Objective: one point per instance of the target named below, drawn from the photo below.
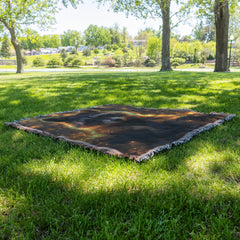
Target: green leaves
(5, 49)
(16, 15)
(21, 13)
(74, 3)
(97, 36)
(71, 38)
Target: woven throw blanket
(123, 130)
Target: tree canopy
(71, 38)
(5, 49)
(97, 36)
(22, 13)
(145, 9)
(234, 25)
(17, 15)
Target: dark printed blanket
(123, 130)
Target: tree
(97, 36)
(63, 54)
(115, 35)
(154, 48)
(51, 41)
(31, 41)
(5, 49)
(234, 25)
(72, 38)
(144, 9)
(165, 9)
(205, 32)
(186, 38)
(15, 15)
(124, 35)
(221, 10)
(144, 35)
(46, 41)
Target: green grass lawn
(52, 190)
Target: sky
(88, 13)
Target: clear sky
(89, 13)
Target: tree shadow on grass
(65, 92)
(112, 198)
(43, 205)
(38, 95)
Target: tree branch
(5, 23)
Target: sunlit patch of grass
(53, 190)
(5, 207)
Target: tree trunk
(17, 48)
(165, 8)
(221, 12)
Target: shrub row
(121, 61)
(76, 61)
(71, 61)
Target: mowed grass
(53, 190)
